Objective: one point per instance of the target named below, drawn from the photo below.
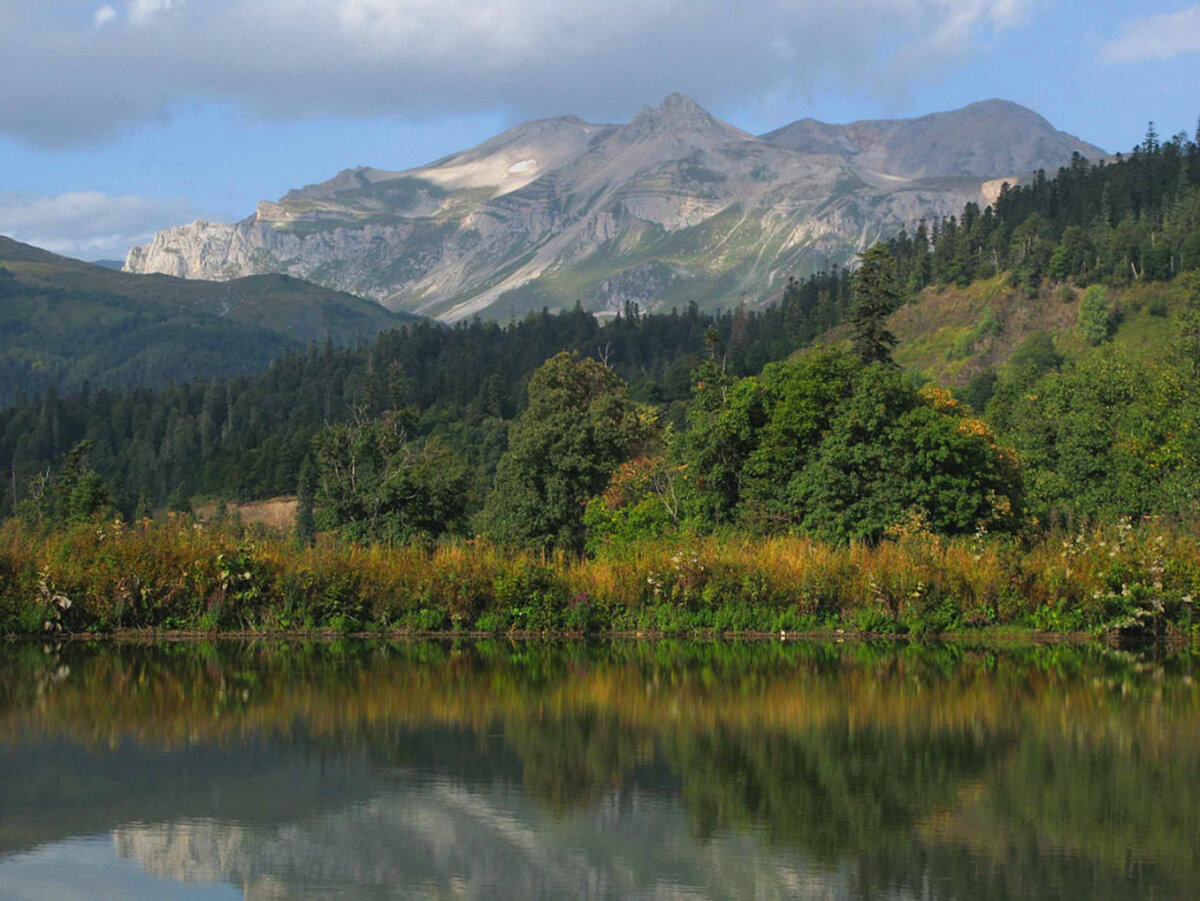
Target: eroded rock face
(676, 206)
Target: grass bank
(177, 574)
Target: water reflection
(655, 770)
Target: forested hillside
(66, 323)
(246, 436)
(1133, 218)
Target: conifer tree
(874, 297)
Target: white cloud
(103, 15)
(88, 224)
(301, 58)
(142, 11)
(1157, 38)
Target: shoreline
(987, 636)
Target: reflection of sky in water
(88, 869)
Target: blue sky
(132, 115)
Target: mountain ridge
(674, 206)
(67, 322)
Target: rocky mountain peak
(979, 140)
(677, 115)
(676, 206)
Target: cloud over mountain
(87, 224)
(88, 69)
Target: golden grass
(278, 513)
(177, 573)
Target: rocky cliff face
(675, 206)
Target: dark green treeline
(246, 437)
(1133, 218)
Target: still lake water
(650, 770)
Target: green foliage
(246, 437)
(1095, 315)
(375, 484)
(841, 450)
(1037, 353)
(175, 573)
(578, 427)
(642, 501)
(1187, 347)
(76, 493)
(79, 492)
(894, 455)
(978, 391)
(1106, 438)
(305, 530)
(875, 295)
(798, 402)
(1133, 219)
(70, 325)
(723, 421)
(178, 501)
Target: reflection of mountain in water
(437, 838)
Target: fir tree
(874, 298)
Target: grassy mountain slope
(951, 334)
(64, 322)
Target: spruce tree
(874, 296)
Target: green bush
(1095, 315)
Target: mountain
(65, 322)
(985, 140)
(673, 207)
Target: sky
(118, 118)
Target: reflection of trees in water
(993, 773)
(831, 790)
(575, 760)
(1018, 814)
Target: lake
(614, 769)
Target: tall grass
(177, 574)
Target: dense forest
(1132, 218)
(246, 436)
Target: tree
(798, 399)
(306, 528)
(178, 502)
(874, 296)
(1094, 314)
(78, 490)
(578, 427)
(723, 418)
(375, 484)
(1187, 341)
(893, 453)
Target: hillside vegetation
(66, 323)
